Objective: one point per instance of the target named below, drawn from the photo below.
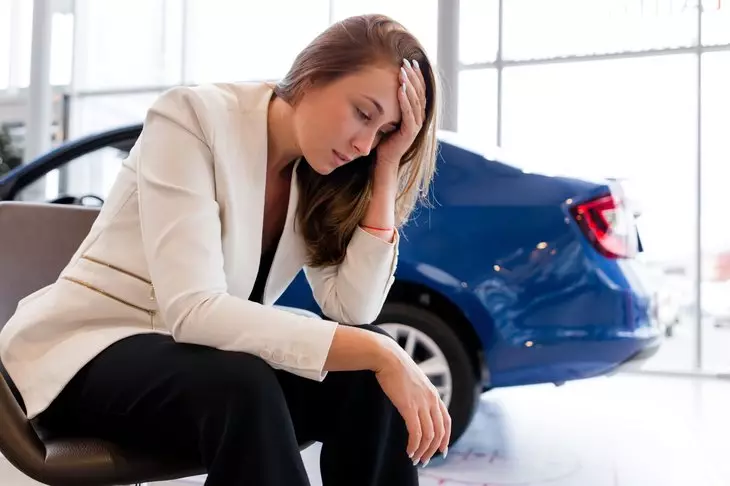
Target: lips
(342, 157)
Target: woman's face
(347, 118)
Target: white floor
(627, 430)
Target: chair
(36, 242)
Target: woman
(160, 331)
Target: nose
(363, 142)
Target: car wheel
(437, 349)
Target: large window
(16, 23)
(631, 119)
(541, 29)
(62, 46)
(716, 22)
(5, 40)
(236, 41)
(21, 43)
(122, 44)
(477, 120)
(478, 30)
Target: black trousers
(235, 413)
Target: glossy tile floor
(626, 430)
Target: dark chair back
(36, 242)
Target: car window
(91, 174)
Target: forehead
(380, 83)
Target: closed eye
(365, 117)
(361, 114)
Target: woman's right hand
(417, 400)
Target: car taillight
(609, 225)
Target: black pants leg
(232, 411)
(363, 436)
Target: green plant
(10, 155)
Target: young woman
(160, 333)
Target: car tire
(465, 387)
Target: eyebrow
(378, 106)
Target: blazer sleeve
(181, 235)
(354, 291)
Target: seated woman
(160, 332)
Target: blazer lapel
(245, 180)
(290, 253)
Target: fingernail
(446, 452)
(404, 88)
(403, 75)
(426, 463)
(406, 63)
(415, 462)
(415, 64)
(410, 456)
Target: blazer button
(278, 356)
(266, 354)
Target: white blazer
(176, 250)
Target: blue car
(507, 278)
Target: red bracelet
(376, 228)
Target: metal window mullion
(184, 45)
(14, 49)
(499, 64)
(596, 57)
(698, 196)
(78, 63)
(448, 60)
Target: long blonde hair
(331, 206)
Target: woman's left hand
(412, 100)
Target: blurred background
(635, 91)
(632, 89)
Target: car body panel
(500, 244)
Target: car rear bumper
(640, 357)
(572, 360)
(608, 321)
